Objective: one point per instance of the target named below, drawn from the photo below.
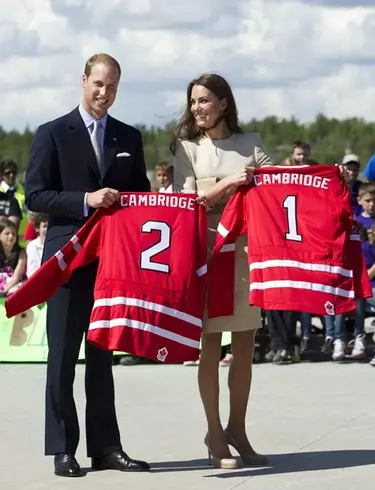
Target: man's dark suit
(63, 167)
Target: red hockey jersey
(150, 286)
(304, 254)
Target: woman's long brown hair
(12, 260)
(187, 129)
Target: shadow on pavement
(279, 463)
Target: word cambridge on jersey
(303, 243)
(151, 281)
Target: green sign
(23, 338)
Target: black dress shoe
(118, 460)
(66, 465)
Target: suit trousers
(68, 317)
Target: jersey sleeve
(82, 249)
(221, 273)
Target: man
(352, 166)
(9, 208)
(10, 187)
(80, 162)
(300, 154)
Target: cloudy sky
(281, 57)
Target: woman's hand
(244, 177)
(202, 199)
(212, 196)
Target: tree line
(330, 139)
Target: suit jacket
(63, 168)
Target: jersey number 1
(290, 204)
(163, 244)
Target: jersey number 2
(290, 204)
(163, 244)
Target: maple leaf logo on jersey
(330, 309)
(162, 354)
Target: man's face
(298, 156)
(100, 89)
(353, 171)
(9, 177)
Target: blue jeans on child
(335, 324)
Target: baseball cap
(350, 159)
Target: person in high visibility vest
(8, 185)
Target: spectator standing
(12, 258)
(366, 199)
(300, 154)
(34, 249)
(10, 187)
(352, 165)
(335, 324)
(282, 325)
(10, 209)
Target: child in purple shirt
(366, 199)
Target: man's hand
(103, 198)
(343, 172)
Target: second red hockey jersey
(303, 248)
(150, 286)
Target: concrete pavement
(316, 421)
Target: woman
(12, 259)
(213, 156)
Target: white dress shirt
(34, 252)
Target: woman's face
(8, 237)
(205, 106)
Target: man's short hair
(101, 58)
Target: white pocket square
(124, 154)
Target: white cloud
(284, 58)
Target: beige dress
(199, 164)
